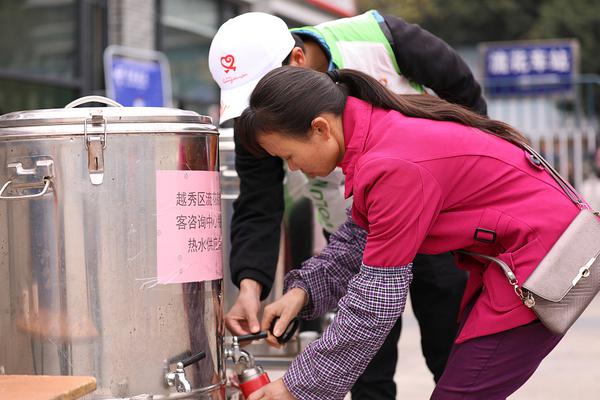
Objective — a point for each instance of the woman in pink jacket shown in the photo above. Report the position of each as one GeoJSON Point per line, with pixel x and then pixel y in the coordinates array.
{"type": "Point", "coordinates": [426, 176]}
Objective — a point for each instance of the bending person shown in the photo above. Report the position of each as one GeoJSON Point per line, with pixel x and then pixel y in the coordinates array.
{"type": "Point", "coordinates": [426, 176]}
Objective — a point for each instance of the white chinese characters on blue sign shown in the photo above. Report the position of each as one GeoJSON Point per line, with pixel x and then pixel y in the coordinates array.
{"type": "Point", "coordinates": [521, 61]}
{"type": "Point", "coordinates": [529, 68]}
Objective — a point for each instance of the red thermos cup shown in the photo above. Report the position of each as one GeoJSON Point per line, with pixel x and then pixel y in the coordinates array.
{"type": "Point", "coordinates": [252, 379]}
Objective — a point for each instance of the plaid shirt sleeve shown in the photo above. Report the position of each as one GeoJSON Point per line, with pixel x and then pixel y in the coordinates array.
{"type": "Point", "coordinates": [325, 277]}
{"type": "Point", "coordinates": [328, 367]}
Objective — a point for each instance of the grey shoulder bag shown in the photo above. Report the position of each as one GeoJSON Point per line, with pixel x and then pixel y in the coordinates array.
{"type": "Point", "coordinates": [568, 277]}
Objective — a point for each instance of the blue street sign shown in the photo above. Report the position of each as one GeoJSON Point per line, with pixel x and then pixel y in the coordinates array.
{"type": "Point", "coordinates": [136, 78]}
{"type": "Point", "coordinates": [525, 68]}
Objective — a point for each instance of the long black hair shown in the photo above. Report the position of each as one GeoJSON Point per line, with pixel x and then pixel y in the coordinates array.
{"type": "Point", "coordinates": [287, 99]}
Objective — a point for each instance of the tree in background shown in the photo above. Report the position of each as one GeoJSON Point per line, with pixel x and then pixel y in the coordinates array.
{"type": "Point", "coordinates": [468, 22]}
{"type": "Point", "coordinates": [573, 18]}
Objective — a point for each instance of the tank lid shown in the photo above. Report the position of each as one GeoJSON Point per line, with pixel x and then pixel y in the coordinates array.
{"type": "Point", "coordinates": [76, 116]}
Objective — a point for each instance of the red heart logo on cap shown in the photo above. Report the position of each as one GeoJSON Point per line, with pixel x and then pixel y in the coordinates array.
{"type": "Point", "coordinates": [228, 62]}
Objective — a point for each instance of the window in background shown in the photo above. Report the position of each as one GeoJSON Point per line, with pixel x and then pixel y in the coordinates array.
{"type": "Point", "coordinates": [38, 37]}
{"type": "Point", "coordinates": [185, 32]}
{"type": "Point", "coordinates": [49, 51]}
{"type": "Point", "coordinates": [17, 95]}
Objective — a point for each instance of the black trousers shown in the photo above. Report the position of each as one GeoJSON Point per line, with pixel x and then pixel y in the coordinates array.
{"type": "Point", "coordinates": [436, 291]}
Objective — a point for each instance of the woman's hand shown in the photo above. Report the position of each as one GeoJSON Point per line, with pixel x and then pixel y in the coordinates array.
{"type": "Point", "coordinates": [273, 391]}
{"type": "Point", "coordinates": [286, 308]}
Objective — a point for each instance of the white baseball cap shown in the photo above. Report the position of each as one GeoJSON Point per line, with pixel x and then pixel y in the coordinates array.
{"type": "Point", "coordinates": [245, 49]}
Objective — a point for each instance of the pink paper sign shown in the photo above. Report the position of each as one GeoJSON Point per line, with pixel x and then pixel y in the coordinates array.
{"type": "Point", "coordinates": [188, 226]}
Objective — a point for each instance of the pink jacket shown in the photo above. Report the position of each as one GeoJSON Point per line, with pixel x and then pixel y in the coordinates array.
{"type": "Point", "coordinates": [423, 186]}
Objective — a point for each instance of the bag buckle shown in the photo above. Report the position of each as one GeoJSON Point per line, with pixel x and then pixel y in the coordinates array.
{"type": "Point", "coordinates": [480, 234]}
{"type": "Point", "coordinates": [584, 271]}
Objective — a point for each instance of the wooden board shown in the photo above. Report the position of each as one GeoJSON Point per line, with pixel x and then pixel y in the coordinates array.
{"type": "Point", "coordinates": [45, 387]}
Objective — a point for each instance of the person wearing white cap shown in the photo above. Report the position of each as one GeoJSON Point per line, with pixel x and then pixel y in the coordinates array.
{"type": "Point", "coordinates": [244, 49]}
{"type": "Point", "coordinates": [406, 59]}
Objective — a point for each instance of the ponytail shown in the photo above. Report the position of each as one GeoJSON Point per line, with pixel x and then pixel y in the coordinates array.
{"type": "Point", "coordinates": [366, 88]}
{"type": "Point", "coordinates": [287, 99]}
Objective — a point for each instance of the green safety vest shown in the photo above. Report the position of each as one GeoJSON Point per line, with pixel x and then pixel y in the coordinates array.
{"type": "Point", "coordinates": [360, 43]}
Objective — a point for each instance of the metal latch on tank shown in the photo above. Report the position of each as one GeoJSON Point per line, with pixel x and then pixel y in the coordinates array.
{"type": "Point", "coordinates": [95, 142]}
{"type": "Point", "coordinates": [28, 177]}
{"type": "Point", "coordinates": [95, 145]}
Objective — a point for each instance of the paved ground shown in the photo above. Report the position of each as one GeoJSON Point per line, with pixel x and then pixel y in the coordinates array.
{"type": "Point", "coordinates": [572, 371]}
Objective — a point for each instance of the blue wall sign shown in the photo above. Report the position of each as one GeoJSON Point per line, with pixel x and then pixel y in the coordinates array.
{"type": "Point", "coordinates": [137, 78]}
{"type": "Point", "coordinates": [529, 68]}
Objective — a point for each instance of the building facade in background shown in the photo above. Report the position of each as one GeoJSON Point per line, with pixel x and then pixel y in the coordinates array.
{"type": "Point", "coordinates": [52, 50]}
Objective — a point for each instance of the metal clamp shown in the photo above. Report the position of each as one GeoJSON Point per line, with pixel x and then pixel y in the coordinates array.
{"type": "Point", "coordinates": [95, 145]}
{"type": "Point", "coordinates": [95, 120]}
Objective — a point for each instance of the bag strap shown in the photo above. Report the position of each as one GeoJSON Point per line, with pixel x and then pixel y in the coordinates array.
{"type": "Point", "coordinates": [526, 298]}
{"type": "Point", "coordinates": [562, 182]}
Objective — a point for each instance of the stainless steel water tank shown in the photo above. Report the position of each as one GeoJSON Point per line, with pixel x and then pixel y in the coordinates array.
{"type": "Point", "coordinates": [98, 275]}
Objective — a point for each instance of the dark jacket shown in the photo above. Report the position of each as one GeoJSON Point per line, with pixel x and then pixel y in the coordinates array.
{"type": "Point", "coordinates": [255, 227]}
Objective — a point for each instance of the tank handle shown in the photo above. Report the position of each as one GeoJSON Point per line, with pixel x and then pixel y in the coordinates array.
{"type": "Point", "coordinates": [41, 173]}
{"type": "Point", "coordinates": [94, 98]}
{"type": "Point", "coordinates": [25, 196]}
